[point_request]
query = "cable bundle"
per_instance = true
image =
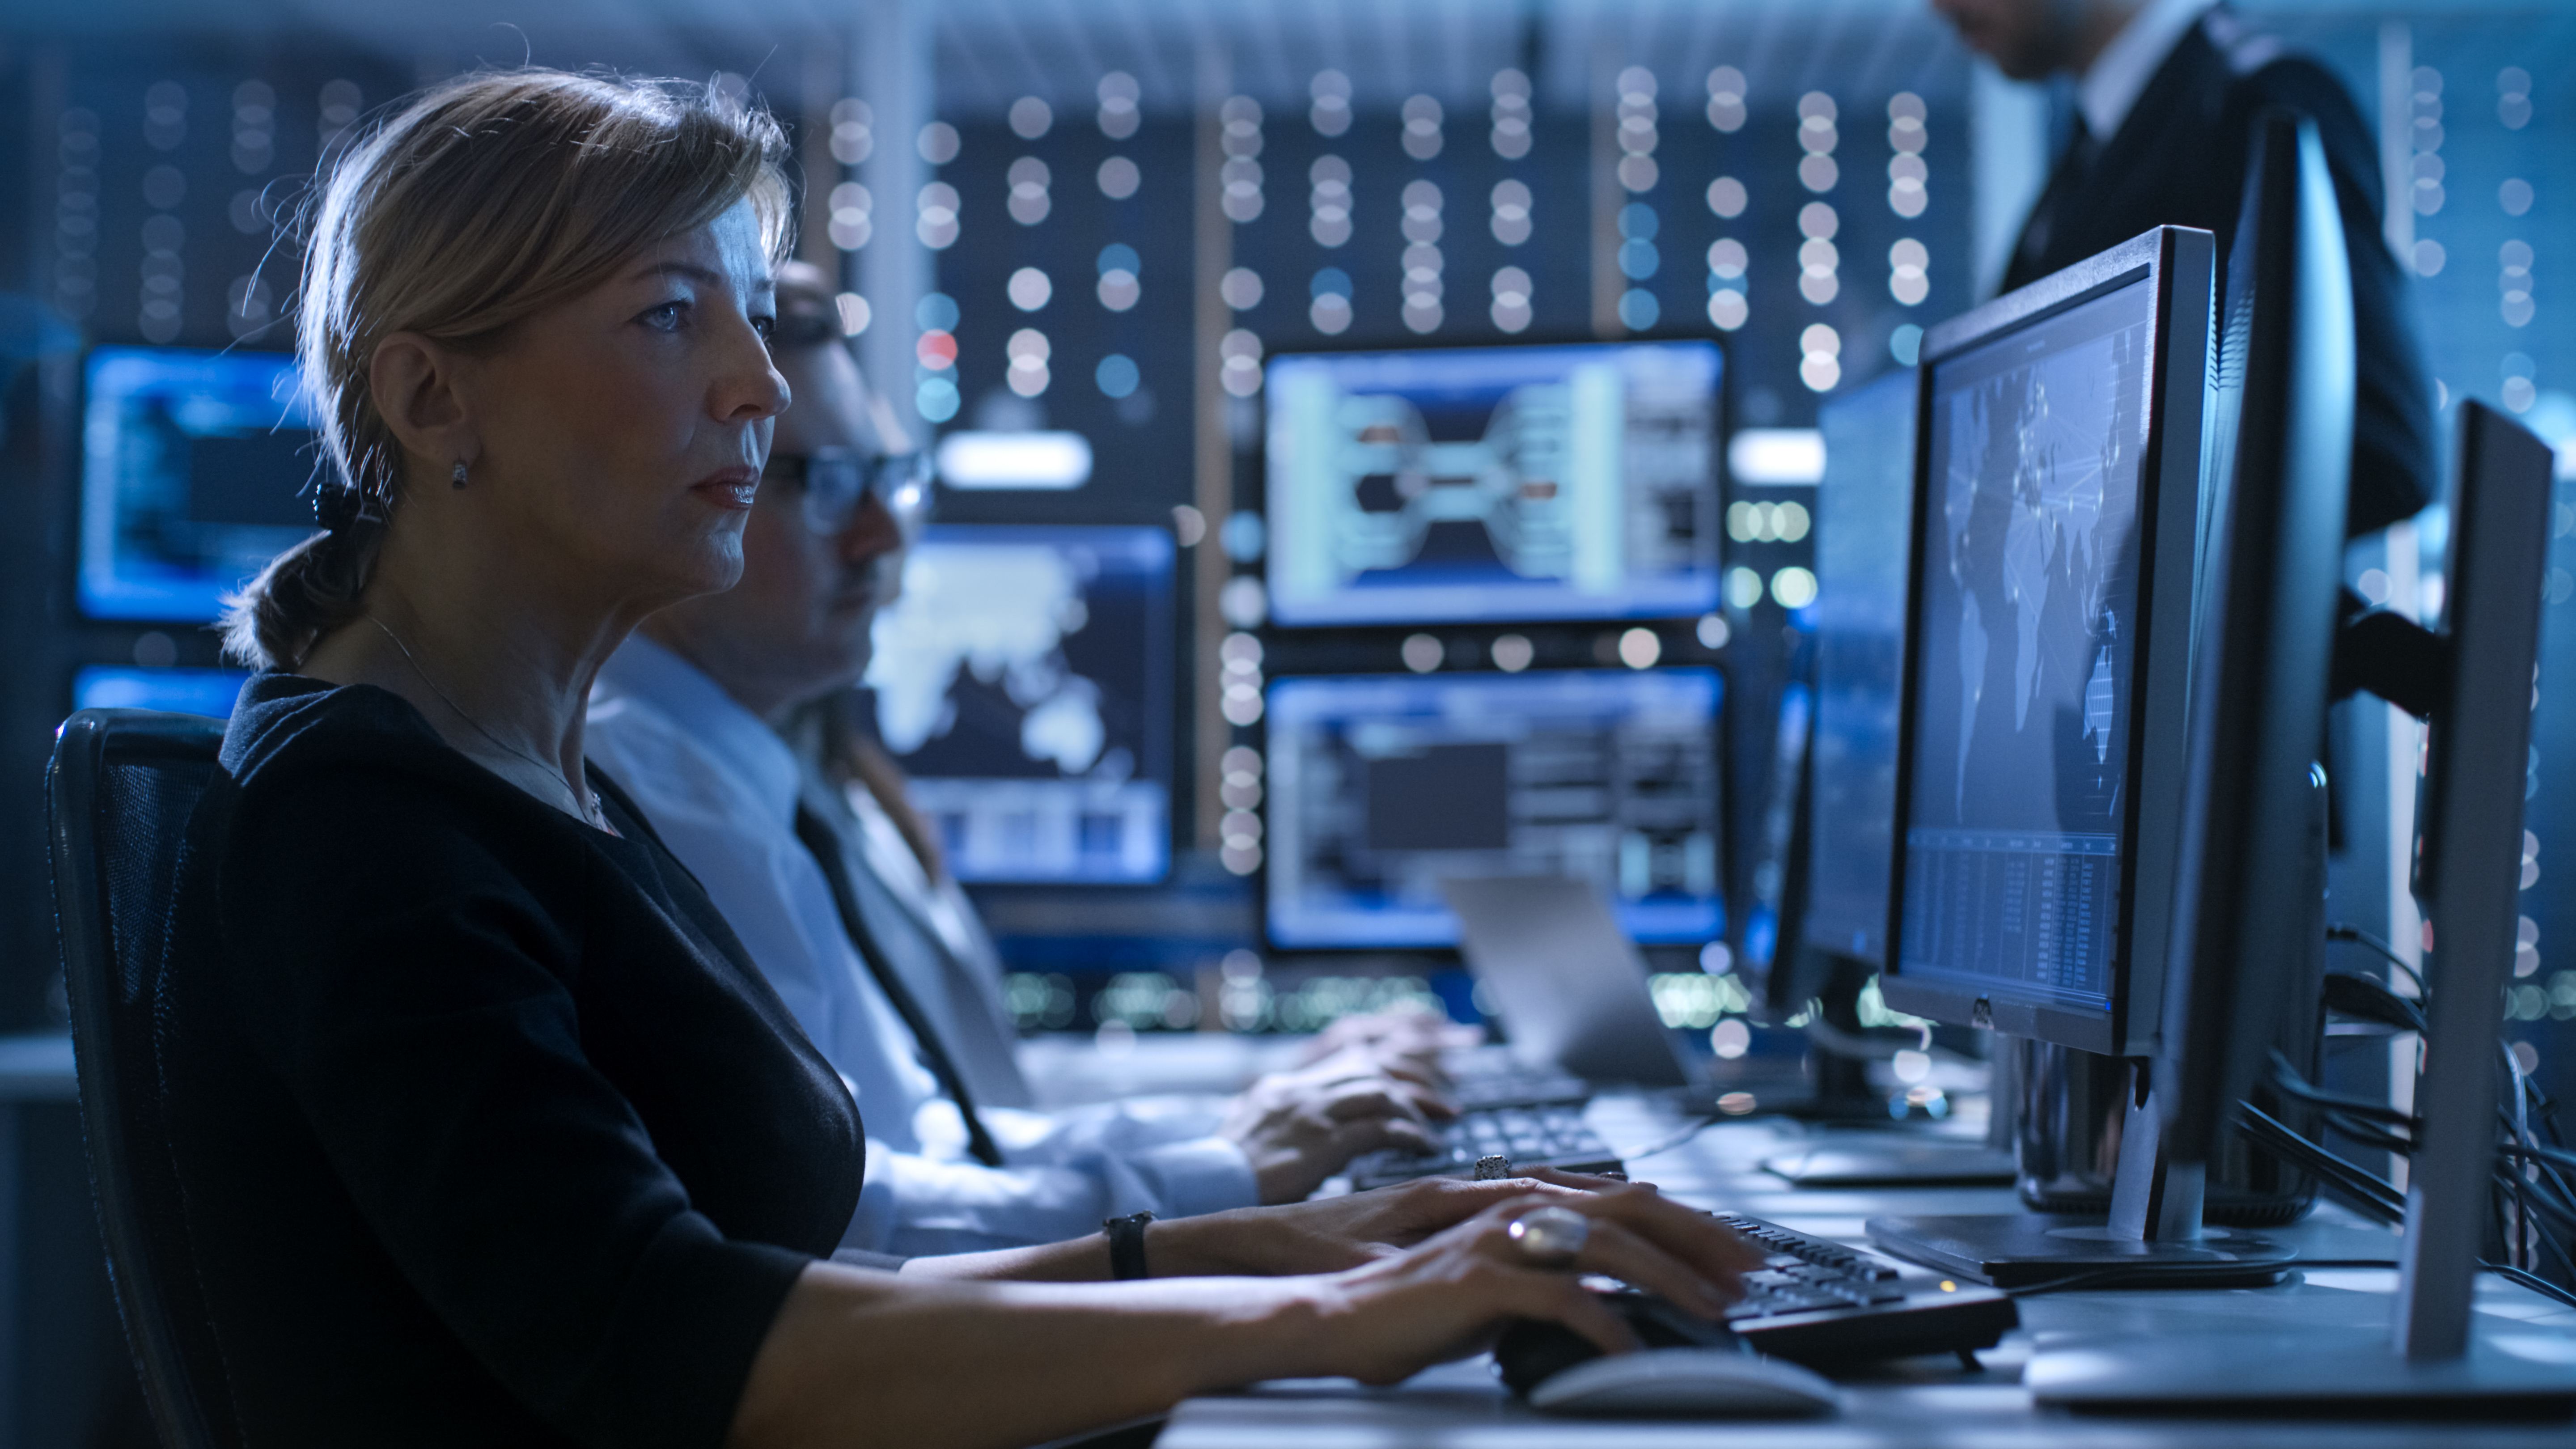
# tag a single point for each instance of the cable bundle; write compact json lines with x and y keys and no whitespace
{"x":2535,"y":1206}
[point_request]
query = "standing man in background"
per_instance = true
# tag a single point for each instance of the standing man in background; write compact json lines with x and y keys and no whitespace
{"x":2166,"y":95}
{"x":895,"y":986}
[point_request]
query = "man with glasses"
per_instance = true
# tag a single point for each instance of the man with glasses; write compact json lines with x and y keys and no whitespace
{"x":889,"y":975}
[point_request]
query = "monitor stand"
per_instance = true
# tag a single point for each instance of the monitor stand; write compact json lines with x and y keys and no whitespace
{"x":1864,"y":1147}
{"x":1836,"y":1162}
{"x":2432,"y":1352}
{"x":2153,"y":1236}
{"x":2337,"y":1372}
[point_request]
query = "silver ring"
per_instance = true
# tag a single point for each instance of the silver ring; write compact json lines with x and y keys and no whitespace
{"x":1550,"y":1237}
{"x":1491,"y":1166}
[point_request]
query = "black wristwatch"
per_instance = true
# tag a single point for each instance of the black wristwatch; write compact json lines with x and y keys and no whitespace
{"x":1126,"y":1244}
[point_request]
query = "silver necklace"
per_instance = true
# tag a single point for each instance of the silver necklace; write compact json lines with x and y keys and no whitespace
{"x":584,"y":802}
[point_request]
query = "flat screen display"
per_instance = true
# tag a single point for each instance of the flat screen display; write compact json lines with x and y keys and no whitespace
{"x":194,"y":474}
{"x":2027,"y":616}
{"x":1381,"y":787}
{"x":1024,"y":679}
{"x":1493,"y":483}
{"x":178,"y":691}
{"x":1864,"y":525}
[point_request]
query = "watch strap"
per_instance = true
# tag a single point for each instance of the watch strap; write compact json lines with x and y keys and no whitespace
{"x":1126,"y":1245}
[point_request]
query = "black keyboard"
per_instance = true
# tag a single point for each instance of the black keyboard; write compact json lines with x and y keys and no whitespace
{"x":1815,"y":1303}
{"x":1547,"y":1135}
{"x":1821,"y":1304}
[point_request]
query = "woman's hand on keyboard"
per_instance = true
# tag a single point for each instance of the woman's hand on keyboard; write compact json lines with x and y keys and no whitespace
{"x":1330,"y":1234}
{"x":1448,"y":1297}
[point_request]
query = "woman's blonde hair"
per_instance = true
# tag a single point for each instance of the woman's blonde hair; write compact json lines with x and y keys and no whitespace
{"x":475,"y":205}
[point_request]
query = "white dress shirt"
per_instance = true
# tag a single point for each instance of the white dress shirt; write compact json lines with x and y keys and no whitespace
{"x":722,"y":790}
{"x":938,"y":941}
{"x":2112,"y":84}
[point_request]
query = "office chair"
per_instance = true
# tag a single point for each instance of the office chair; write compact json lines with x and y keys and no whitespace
{"x":119,"y":794}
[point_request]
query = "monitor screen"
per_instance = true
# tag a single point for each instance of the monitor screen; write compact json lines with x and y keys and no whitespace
{"x":1775,"y":887}
{"x":194,"y":468}
{"x":2028,"y":602}
{"x":179,"y":691}
{"x":1493,"y":483}
{"x":1380,"y":787}
{"x":1024,"y":680}
{"x":1864,"y":523}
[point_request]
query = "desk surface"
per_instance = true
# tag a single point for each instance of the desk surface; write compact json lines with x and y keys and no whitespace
{"x":1914,"y":1402}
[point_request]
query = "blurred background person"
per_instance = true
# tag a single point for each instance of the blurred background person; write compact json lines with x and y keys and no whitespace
{"x":2166,"y":96}
{"x":850,"y":917}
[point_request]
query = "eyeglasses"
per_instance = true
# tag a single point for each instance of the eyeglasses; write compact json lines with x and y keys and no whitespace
{"x":834,"y":481}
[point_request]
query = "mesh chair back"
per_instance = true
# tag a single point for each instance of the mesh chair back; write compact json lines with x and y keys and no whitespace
{"x":120,"y":792}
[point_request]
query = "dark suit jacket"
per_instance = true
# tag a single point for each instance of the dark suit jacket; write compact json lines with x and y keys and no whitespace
{"x":2179,"y":160}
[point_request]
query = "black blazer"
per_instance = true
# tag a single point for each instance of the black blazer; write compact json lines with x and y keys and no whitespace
{"x":2179,"y":160}
{"x":489,"y":1132}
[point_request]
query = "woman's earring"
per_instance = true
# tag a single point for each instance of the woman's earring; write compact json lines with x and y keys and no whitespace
{"x":457,"y":478}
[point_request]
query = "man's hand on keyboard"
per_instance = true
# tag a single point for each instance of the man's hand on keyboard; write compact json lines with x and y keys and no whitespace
{"x":1406,"y":1042}
{"x":1300,"y":1127}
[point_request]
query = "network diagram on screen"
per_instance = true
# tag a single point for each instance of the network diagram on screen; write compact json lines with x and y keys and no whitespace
{"x":1493,"y":483}
{"x":2028,"y":640}
{"x":1022,"y":678}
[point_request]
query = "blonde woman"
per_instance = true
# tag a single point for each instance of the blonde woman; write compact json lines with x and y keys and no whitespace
{"x":488,"y":1132}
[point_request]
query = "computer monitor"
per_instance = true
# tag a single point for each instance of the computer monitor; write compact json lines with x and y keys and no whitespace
{"x":2259,"y":703}
{"x":1771,"y":916}
{"x":2045,"y":716}
{"x":2271,"y":569}
{"x":1835,"y":938}
{"x":2042,"y":721}
{"x":2468,"y":871}
{"x":1381,"y":787}
{"x":177,"y":691}
{"x":1864,"y":512}
{"x":194,"y":468}
{"x":1023,"y":678}
{"x":1493,"y":483}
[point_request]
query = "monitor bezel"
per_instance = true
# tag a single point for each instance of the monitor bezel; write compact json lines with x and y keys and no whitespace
{"x":2179,"y":263}
{"x":1719,"y":435}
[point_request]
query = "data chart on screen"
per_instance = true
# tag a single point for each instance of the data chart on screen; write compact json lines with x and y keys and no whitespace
{"x":194,"y":474}
{"x":1493,"y":483}
{"x":1023,"y":679}
{"x":2027,"y":620}
{"x":1381,"y":787}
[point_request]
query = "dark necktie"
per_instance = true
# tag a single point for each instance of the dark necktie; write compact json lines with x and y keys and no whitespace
{"x":2056,"y":200}
{"x":826,"y":846}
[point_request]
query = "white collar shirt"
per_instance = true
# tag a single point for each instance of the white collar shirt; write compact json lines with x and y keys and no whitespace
{"x":2119,"y":75}
{"x":722,"y":788}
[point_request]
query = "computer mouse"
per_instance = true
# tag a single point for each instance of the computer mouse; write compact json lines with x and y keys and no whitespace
{"x":1688,"y":1368}
{"x":1712,"y":1383}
